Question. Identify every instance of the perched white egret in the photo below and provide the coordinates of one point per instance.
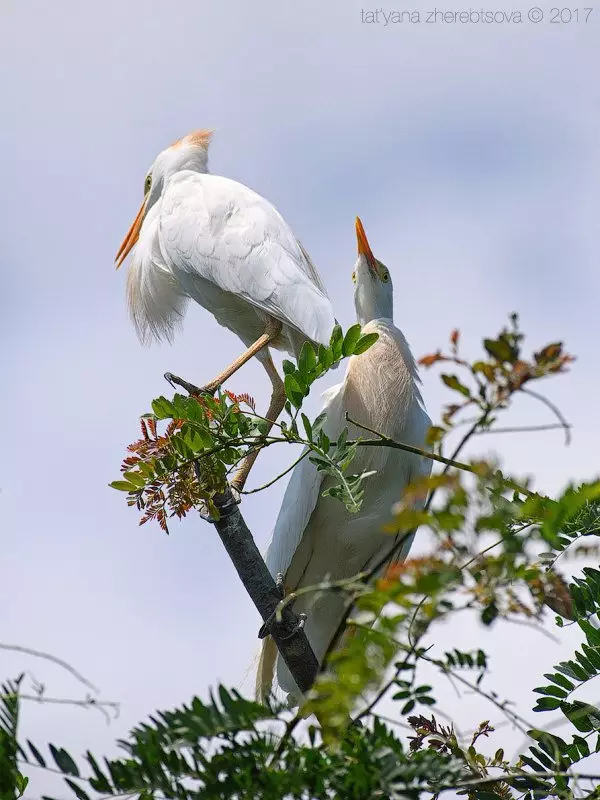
(214, 240)
(315, 537)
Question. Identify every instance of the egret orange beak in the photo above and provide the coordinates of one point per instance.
(133, 234)
(364, 249)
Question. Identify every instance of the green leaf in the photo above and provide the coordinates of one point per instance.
(500, 349)
(571, 669)
(307, 361)
(426, 701)
(584, 717)
(288, 367)
(64, 761)
(489, 613)
(318, 423)
(36, 754)
(350, 340)
(582, 746)
(561, 680)
(293, 391)
(135, 478)
(591, 634)
(21, 783)
(551, 691)
(366, 341)
(325, 356)
(336, 342)
(182, 447)
(163, 408)
(100, 783)
(547, 704)
(123, 486)
(307, 426)
(452, 382)
(77, 789)
(542, 757)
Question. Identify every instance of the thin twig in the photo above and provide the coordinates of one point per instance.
(518, 721)
(392, 721)
(537, 628)
(90, 702)
(555, 410)
(384, 441)
(289, 729)
(39, 654)
(278, 477)
(378, 697)
(504, 778)
(524, 429)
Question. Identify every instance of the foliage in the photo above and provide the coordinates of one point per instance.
(186, 466)
(12, 782)
(493, 553)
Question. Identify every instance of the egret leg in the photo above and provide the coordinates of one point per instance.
(272, 330)
(275, 408)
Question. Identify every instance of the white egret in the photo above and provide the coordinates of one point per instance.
(214, 240)
(315, 537)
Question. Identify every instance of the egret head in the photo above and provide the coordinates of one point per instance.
(373, 292)
(191, 152)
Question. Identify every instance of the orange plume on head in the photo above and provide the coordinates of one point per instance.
(200, 138)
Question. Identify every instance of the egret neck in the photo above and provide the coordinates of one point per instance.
(373, 290)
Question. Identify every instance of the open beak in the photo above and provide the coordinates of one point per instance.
(364, 248)
(133, 234)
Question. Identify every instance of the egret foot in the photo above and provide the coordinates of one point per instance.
(225, 509)
(280, 584)
(236, 494)
(266, 627)
(190, 388)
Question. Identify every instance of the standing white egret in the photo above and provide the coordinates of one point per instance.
(315, 537)
(214, 240)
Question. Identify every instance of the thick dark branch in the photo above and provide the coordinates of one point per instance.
(289, 637)
(241, 548)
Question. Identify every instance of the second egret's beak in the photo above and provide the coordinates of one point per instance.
(133, 234)
(364, 248)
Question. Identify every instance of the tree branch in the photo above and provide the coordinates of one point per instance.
(384, 441)
(285, 628)
(287, 632)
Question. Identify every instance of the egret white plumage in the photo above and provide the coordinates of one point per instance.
(315, 537)
(216, 241)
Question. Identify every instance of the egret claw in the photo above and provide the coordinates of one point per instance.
(190, 388)
(280, 584)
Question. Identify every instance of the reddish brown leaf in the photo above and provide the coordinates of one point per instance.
(433, 358)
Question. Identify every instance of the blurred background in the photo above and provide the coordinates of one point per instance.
(472, 154)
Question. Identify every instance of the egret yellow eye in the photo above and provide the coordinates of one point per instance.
(354, 277)
(385, 276)
(147, 184)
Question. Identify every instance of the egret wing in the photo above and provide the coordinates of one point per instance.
(225, 233)
(300, 498)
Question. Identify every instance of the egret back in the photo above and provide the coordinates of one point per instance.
(213, 229)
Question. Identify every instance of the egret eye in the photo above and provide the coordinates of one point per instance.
(147, 184)
(385, 276)
(354, 277)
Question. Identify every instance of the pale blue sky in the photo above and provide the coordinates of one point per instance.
(472, 155)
